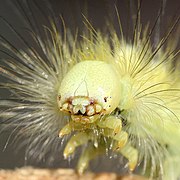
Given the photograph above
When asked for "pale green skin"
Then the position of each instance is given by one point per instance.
(95, 80)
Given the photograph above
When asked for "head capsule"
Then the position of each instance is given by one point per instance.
(89, 90)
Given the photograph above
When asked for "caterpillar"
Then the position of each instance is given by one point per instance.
(98, 92)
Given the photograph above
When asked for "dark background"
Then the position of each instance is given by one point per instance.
(97, 12)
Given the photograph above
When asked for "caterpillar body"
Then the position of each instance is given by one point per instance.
(102, 92)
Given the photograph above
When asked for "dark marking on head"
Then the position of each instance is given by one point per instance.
(105, 99)
(59, 97)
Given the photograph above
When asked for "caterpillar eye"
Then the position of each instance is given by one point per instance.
(59, 97)
(105, 99)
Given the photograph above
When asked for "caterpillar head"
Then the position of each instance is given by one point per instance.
(89, 90)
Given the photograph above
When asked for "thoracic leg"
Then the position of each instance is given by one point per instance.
(67, 129)
(109, 127)
(71, 126)
(131, 154)
(75, 141)
(112, 128)
(111, 122)
(89, 154)
(74, 126)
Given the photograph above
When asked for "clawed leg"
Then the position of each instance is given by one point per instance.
(72, 126)
(121, 145)
(75, 126)
(78, 139)
(121, 140)
(67, 129)
(111, 122)
(112, 128)
(131, 154)
(89, 154)
(75, 141)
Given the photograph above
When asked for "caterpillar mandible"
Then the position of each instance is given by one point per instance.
(101, 92)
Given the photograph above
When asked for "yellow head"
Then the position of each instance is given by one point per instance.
(89, 90)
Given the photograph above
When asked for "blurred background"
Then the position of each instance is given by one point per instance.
(97, 12)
